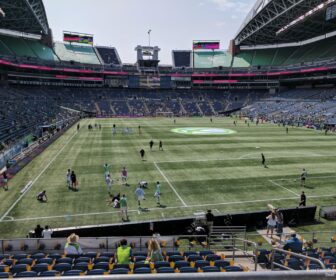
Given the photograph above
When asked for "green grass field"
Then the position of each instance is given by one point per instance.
(219, 172)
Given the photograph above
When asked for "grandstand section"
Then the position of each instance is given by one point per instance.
(182, 59)
(109, 55)
(212, 59)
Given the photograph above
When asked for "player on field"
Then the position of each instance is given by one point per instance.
(68, 178)
(263, 160)
(140, 195)
(109, 182)
(124, 176)
(42, 196)
(106, 169)
(160, 146)
(123, 208)
(303, 199)
(142, 154)
(5, 180)
(303, 177)
(151, 144)
(157, 193)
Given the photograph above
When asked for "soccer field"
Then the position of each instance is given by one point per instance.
(222, 172)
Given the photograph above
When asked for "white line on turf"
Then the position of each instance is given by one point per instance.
(281, 186)
(314, 177)
(167, 208)
(38, 176)
(170, 184)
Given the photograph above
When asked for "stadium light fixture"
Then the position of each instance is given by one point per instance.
(303, 17)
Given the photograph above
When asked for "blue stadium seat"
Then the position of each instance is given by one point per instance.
(26, 274)
(37, 256)
(4, 256)
(293, 264)
(40, 267)
(161, 264)
(73, 272)
(65, 260)
(19, 256)
(142, 270)
(82, 266)
(212, 257)
(139, 258)
(188, 269)
(8, 262)
(201, 263)
(118, 265)
(140, 264)
(101, 265)
(135, 254)
(165, 270)
(189, 253)
(204, 253)
(119, 271)
(233, 269)
(25, 261)
(4, 268)
(211, 269)
(82, 260)
(4, 275)
(179, 264)
(50, 273)
(61, 267)
(221, 263)
(90, 255)
(175, 258)
(17, 268)
(96, 272)
(45, 260)
(193, 258)
(107, 254)
(172, 253)
(262, 256)
(55, 256)
(102, 259)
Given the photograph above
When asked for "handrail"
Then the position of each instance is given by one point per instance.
(295, 255)
(255, 255)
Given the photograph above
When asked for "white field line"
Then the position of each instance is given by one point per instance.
(167, 208)
(315, 177)
(170, 184)
(38, 176)
(281, 186)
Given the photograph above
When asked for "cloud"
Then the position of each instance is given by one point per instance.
(237, 6)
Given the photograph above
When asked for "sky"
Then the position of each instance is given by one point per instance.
(124, 23)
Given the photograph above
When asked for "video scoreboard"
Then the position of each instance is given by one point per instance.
(80, 38)
(206, 45)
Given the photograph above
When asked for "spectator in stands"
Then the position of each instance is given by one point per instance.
(271, 223)
(293, 244)
(210, 220)
(72, 246)
(154, 251)
(42, 196)
(38, 231)
(124, 252)
(47, 232)
(279, 222)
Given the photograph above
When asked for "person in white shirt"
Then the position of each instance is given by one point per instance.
(271, 223)
(47, 232)
(72, 246)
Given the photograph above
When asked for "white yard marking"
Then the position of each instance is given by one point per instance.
(167, 208)
(38, 177)
(315, 177)
(281, 186)
(170, 184)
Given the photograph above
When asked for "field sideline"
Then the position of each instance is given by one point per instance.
(221, 172)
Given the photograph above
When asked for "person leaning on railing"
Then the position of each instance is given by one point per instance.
(293, 244)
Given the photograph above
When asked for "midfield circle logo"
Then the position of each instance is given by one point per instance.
(203, 131)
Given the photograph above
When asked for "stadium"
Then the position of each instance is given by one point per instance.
(220, 165)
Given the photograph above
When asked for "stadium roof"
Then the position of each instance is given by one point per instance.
(285, 21)
(27, 16)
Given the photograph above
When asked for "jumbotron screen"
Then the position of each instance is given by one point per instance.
(206, 45)
(78, 38)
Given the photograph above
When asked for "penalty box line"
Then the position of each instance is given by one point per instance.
(38, 177)
(281, 186)
(170, 184)
(167, 208)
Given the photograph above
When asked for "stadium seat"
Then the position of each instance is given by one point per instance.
(135, 254)
(210, 269)
(188, 269)
(45, 260)
(175, 258)
(140, 264)
(40, 267)
(179, 264)
(25, 261)
(233, 269)
(117, 265)
(50, 273)
(82, 266)
(19, 256)
(4, 275)
(193, 258)
(221, 263)
(61, 267)
(204, 253)
(73, 272)
(96, 272)
(293, 263)
(119, 271)
(37, 256)
(142, 270)
(82, 260)
(4, 256)
(212, 257)
(172, 253)
(17, 268)
(4, 268)
(161, 264)
(139, 258)
(107, 254)
(102, 259)
(189, 253)
(201, 263)
(65, 260)
(55, 256)
(8, 262)
(26, 274)
(90, 255)
(165, 270)
(262, 256)
(102, 265)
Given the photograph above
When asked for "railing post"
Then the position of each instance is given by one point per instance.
(234, 248)
(256, 252)
(272, 260)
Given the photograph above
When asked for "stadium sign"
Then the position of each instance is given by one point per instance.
(79, 38)
(203, 131)
(206, 45)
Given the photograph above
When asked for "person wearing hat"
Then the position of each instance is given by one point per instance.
(210, 220)
(123, 253)
(293, 244)
(72, 247)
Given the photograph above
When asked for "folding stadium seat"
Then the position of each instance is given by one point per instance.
(90, 255)
(142, 270)
(102, 265)
(38, 256)
(193, 258)
(172, 253)
(65, 260)
(329, 259)
(17, 268)
(212, 257)
(119, 271)
(8, 262)
(201, 263)
(175, 258)
(135, 254)
(204, 253)
(61, 267)
(96, 272)
(82, 266)
(165, 270)
(82, 260)
(45, 260)
(4, 268)
(188, 269)
(102, 259)
(26, 274)
(117, 265)
(179, 264)
(292, 263)
(210, 269)
(221, 263)
(72, 272)
(20, 256)
(189, 253)
(139, 258)
(40, 267)
(161, 264)
(25, 261)
(233, 268)
(73, 256)
(107, 254)
(55, 256)
(4, 275)
(313, 255)
(4, 256)
(50, 273)
(140, 264)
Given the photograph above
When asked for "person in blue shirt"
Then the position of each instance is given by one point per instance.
(293, 244)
